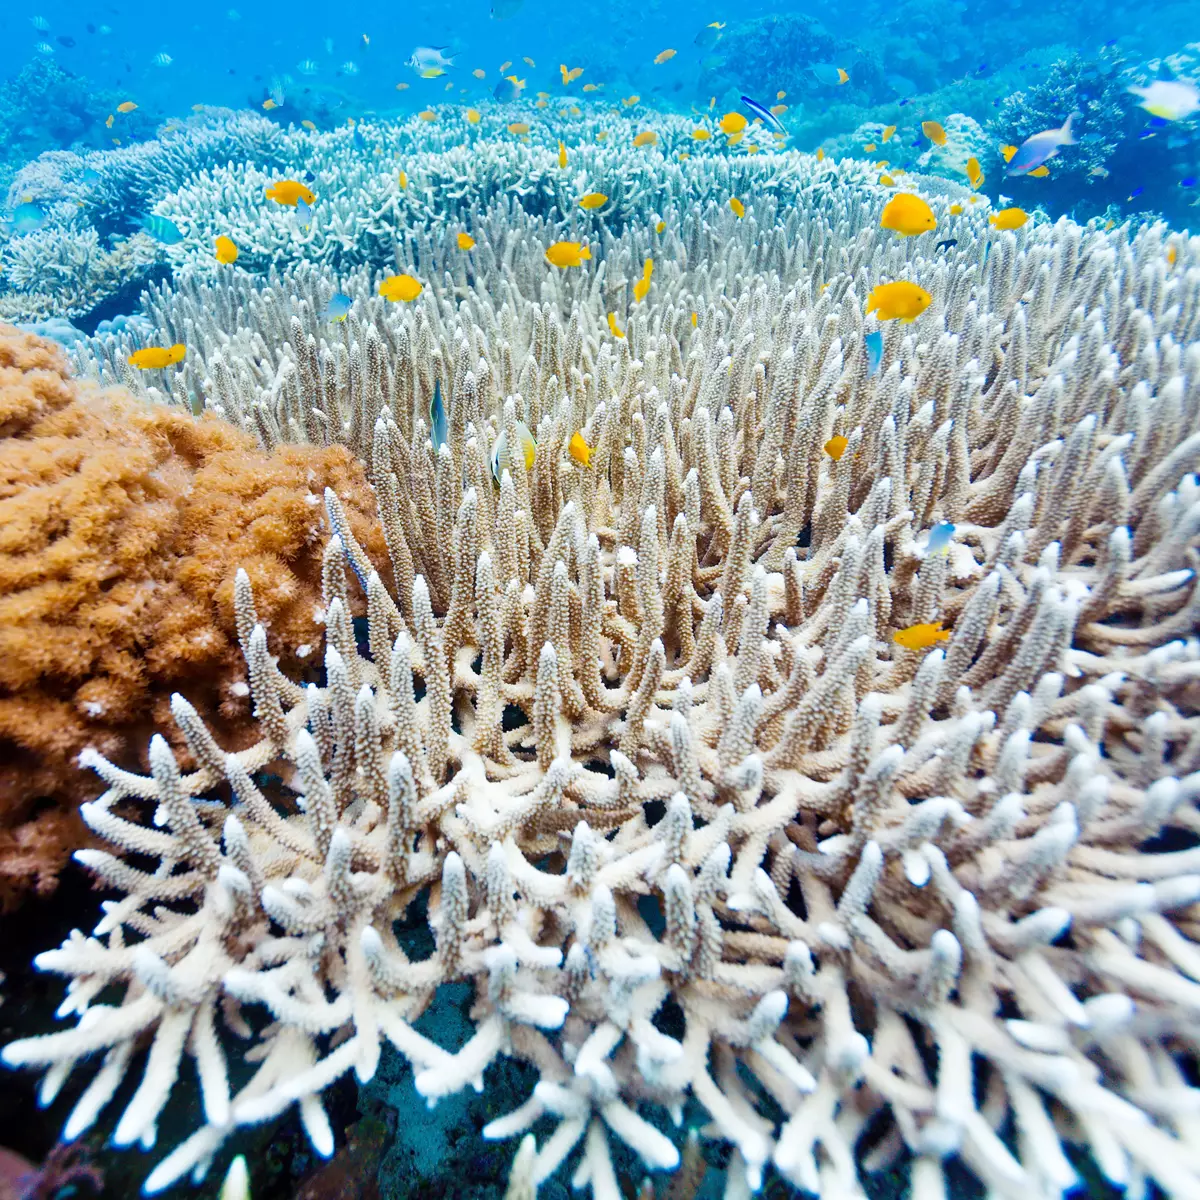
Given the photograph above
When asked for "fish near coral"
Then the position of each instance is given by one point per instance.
(400, 288)
(739, 209)
(593, 200)
(562, 157)
(465, 241)
(472, 116)
(733, 122)
(1035, 150)
(226, 251)
(646, 138)
(836, 447)
(288, 191)
(934, 132)
(907, 215)
(501, 461)
(921, 637)
(613, 327)
(126, 106)
(1008, 218)
(1170, 99)
(154, 358)
(974, 173)
(579, 450)
(567, 254)
(901, 301)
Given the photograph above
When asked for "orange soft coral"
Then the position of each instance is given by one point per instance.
(121, 529)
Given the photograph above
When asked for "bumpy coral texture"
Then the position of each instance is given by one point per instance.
(121, 526)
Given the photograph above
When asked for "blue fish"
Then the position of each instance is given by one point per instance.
(161, 229)
(303, 215)
(939, 538)
(338, 307)
(27, 217)
(826, 73)
(437, 417)
(506, 91)
(1188, 181)
(874, 344)
(761, 110)
(947, 244)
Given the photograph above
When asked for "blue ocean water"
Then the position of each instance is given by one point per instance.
(1014, 70)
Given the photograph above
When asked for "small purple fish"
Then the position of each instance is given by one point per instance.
(1035, 150)
(939, 538)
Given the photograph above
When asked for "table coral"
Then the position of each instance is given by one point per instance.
(121, 525)
(632, 749)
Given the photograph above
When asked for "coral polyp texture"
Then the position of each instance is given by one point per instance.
(632, 727)
(122, 526)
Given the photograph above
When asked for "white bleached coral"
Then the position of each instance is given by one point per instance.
(639, 735)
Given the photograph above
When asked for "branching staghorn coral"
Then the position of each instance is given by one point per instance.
(121, 528)
(638, 734)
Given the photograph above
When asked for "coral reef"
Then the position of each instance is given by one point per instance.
(630, 748)
(43, 104)
(1095, 90)
(121, 526)
(69, 271)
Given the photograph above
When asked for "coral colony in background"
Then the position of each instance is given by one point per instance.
(735, 616)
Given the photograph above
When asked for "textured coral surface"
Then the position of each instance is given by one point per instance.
(121, 525)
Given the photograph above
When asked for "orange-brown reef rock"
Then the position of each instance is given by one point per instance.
(121, 529)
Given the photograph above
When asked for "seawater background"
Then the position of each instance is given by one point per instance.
(965, 56)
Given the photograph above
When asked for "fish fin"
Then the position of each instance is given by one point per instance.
(1065, 137)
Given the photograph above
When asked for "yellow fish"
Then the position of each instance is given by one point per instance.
(501, 460)
(109, 120)
(1172, 256)
(579, 450)
(562, 156)
(646, 138)
(155, 357)
(836, 447)
(733, 122)
(567, 254)
(402, 180)
(593, 200)
(227, 252)
(432, 72)
(956, 210)
(505, 65)
(1007, 152)
(630, 101)
(734, 138)
(907, 215)
(427, 115)
(869, 148)
(472, 116)
(479, 73)
(126, 106)
(739, 209)
(592, 87)
(541, 104)
(887, 181)
(400, 287)
(661, 227)
(820, 154)
(116, 141)
(888, 132)
(1039, 172)
(934, 132)
(777, 110)
(1008, 218)
(575, 111)
(309, 126)
(289, 192)
(701, 135)
(613, 327)
(902, 300)
(466, 241)
(569, 76)
(843, 77)
(921, 637)
(518, 127)
(269, 104)
(528, 61)
(974, 173)
(602, 135)
(695, 319)
(664, 56)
